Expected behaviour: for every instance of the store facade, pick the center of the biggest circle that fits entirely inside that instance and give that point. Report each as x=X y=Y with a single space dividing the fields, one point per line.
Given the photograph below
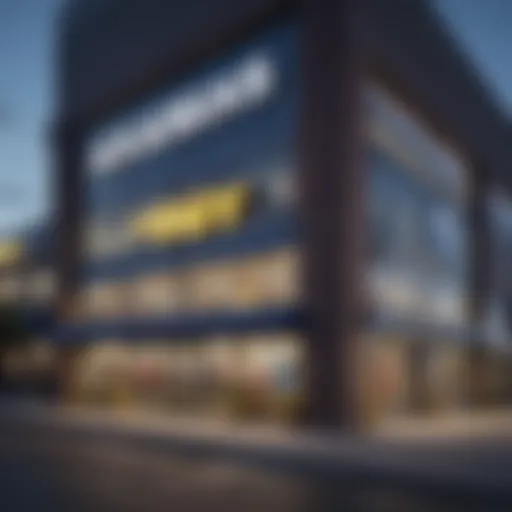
x=190 y=239
x=264 y=230
x=27 y=294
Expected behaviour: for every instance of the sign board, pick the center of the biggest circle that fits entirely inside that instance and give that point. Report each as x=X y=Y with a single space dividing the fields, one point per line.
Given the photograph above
x=244 y=84
x=193 y=216
x=185 y=163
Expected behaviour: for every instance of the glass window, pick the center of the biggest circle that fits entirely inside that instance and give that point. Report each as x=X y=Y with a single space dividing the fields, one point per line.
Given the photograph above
x=497 y=323
x=107 y=238
x=105 y=300
x=265 y=280
x=211 y=286
x=11 y=287
x=156 y=294
x=416 y=214
x=40 y=286
x=269 y=279
x=260 y=375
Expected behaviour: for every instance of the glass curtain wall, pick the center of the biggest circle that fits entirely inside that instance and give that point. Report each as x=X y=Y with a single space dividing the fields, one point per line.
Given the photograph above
x=417 y=256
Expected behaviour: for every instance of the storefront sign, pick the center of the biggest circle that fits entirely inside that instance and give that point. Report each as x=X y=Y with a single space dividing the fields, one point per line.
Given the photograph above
x=246 y=85
x=193 y=216
x=205 y=178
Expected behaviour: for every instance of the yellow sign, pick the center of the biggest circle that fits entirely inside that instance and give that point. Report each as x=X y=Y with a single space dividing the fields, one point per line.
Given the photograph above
x=193 y=216
x=10 y=252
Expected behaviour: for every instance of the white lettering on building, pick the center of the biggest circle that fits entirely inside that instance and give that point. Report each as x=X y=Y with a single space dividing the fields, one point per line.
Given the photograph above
x=246 y=86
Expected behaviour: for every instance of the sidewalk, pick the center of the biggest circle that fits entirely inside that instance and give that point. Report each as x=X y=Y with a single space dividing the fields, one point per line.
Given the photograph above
x=456 y=427
x=421 y=455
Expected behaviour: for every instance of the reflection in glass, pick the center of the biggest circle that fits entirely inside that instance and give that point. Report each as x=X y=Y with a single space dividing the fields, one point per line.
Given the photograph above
x=417 y=218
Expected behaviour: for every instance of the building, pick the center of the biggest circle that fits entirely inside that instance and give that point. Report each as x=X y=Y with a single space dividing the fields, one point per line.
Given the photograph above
x=279 y=205
x=27 y=292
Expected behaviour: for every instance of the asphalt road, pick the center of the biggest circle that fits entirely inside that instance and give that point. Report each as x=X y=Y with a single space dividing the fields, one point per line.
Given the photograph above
x=43 y=469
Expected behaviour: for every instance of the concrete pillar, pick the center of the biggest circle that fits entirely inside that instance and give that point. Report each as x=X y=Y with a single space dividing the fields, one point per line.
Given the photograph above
x=69 y=192
x=480 y=280
x=331 y=210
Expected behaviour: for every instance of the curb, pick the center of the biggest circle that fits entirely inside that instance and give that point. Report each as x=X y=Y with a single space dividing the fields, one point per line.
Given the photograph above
x=304 y=461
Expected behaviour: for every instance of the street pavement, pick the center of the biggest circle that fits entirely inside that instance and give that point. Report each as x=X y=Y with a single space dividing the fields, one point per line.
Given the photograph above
x=46 y=468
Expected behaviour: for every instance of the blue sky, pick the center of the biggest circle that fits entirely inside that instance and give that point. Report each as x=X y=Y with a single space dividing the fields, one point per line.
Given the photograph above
x=484 y=28
x=26 y=71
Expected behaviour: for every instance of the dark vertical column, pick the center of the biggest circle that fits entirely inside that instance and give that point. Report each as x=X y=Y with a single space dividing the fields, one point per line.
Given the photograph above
x=68 y=195
x=330 y=177
x=480 y=279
